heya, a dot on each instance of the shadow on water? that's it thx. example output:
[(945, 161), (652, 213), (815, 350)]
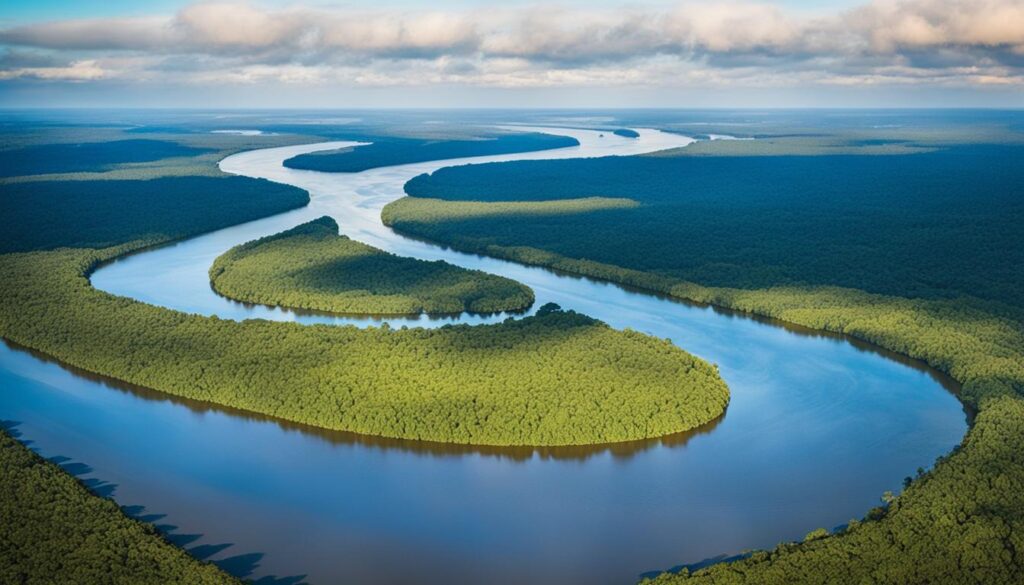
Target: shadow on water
[(240, 565), (411, 319), (715, 560), (624, 449), (691, 567)]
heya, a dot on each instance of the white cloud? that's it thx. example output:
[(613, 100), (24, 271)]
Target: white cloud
[(76, 71), (902, 41)]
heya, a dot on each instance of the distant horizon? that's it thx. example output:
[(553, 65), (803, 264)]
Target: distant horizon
[(522, 109)]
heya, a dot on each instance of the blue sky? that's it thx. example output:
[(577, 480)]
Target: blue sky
[(21, 11), (665, 53)]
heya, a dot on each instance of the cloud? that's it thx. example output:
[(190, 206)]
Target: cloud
[(138, 34), (905, 41), (76, 71)]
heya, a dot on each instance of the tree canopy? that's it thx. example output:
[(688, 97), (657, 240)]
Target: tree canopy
[(312, 267)]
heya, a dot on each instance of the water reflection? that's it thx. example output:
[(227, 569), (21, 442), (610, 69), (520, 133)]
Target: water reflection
[(624, 449)]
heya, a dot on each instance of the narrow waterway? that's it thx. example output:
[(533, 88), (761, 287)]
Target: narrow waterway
[(817, 429)]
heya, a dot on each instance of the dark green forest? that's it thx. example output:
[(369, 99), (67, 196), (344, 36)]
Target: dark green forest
[(312, 267), (933, 232), (387, 151), (53, 214), (88, 156), (54, 530), (932, 225)]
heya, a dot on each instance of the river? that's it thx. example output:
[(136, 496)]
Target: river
[(818, 427)]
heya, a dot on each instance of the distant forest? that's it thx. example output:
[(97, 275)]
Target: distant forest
[(385, 151), (88, 156), (98, 214), (932, 225)]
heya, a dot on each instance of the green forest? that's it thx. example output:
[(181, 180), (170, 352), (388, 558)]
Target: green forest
[(558, 378), (925, 251), (54, 530), (312, 267), (935, 225), (88, 156), (99, 214), (387, 151), (416, 210)]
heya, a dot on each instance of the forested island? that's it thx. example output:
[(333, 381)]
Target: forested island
[(312, 267), (387, 151), (558, 378), (705, 222)]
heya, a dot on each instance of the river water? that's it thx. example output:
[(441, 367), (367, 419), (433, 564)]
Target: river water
[(818, 427)]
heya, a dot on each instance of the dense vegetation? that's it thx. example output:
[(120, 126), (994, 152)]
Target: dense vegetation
[(962, 522), (312, 267), (395, 151), (415, 210), (53, 530), (782, 232), (52, 214), (87, 156), (557, 378), (935, 225)]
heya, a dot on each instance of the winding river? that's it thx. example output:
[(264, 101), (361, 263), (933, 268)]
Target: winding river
[(817, 429)]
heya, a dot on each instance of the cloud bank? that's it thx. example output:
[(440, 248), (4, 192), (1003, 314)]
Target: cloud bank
[(962, 43)]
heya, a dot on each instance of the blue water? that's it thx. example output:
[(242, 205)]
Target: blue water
[(817, 429)]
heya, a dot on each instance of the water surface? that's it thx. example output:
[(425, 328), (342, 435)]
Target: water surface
[(817, 429)]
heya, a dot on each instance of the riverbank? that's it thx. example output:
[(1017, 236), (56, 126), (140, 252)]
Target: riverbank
[(55, 530), (558, 378), (945, 513)]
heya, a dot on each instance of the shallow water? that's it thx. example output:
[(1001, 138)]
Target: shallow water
[(817, 429)]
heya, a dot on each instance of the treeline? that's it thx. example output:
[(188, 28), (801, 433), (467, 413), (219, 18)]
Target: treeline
[(934, 225), (415, 210), (558, 378), (53, 214), (386, 151), (312, 267), (97, 156), (53, 530)]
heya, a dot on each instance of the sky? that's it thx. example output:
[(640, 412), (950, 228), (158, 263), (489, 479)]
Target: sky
[(515, 53)]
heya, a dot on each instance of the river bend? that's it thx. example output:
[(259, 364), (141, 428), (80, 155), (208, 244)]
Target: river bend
[(818, 427)]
